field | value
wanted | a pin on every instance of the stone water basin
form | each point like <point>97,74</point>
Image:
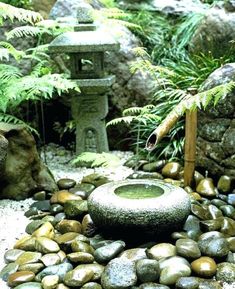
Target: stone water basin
<point>148,206</point>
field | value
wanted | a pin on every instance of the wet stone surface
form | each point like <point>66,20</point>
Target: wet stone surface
<point>63,251</point>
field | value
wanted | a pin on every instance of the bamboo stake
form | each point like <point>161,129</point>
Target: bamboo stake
<point>190,146</point>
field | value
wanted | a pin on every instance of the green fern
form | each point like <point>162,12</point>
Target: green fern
<point>90,159</point>
<point>19,14</point>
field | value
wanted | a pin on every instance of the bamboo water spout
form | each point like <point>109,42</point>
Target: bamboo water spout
<point>190,134</point>
<point>171,119</point>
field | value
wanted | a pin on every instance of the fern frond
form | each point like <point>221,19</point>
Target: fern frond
<point>8,72</point>
<point>125,119</point>
<point>11,50</point>
<point>10,12</point>
<point>91,159</point>
<point>132,111</point>
<point>8,118</point>
<point>141,52</point>
<point>24,31</point>
<point>4,54</point>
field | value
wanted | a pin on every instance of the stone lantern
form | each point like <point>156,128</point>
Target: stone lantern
<point>86,47</point>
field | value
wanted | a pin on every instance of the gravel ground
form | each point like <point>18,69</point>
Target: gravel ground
<point>13,221</point>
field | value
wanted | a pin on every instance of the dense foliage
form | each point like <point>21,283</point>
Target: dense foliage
<point>27,75</point>
<point>168,61</point>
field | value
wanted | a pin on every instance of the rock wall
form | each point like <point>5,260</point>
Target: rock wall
<point>21,170</point>
<point>216,31</point>
<point>216,128</point>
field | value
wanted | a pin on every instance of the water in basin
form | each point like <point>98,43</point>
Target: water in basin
<point>139,191</point>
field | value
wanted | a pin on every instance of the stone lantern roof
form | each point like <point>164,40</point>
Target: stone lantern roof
<point>85,38</point>
<point>83,41</point>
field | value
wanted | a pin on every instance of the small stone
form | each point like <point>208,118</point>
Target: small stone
<point>179,235</point>
<point>45,230</point>
<point>211,225</point>
<point>231,199</point>
<point>62,286</point>
<point>119,273</point>
<point>26,243</point>
<point>20,277</point>
<point>147,270</point>
<point>217,247</point>
<point>56,208</point>
<point>134,254</point>
<point>151,285</point>
<point>59,217</point>
<point>171,170</point>
<point>66,183</point>
<point>154,166</point>
<point>225,272</point>
<point>65,226</point>
<point>12,254</point>
<point>59,270</point>
<point>206,188</point>
<point>188,248</point>
<point>78,277</point>
<point>204,267</point>
<point>95,179</point>
<point>169,275</point>
<point>66,237</point>
<point>200,211</point>
<point>50,282</point>
<point>97,270</point>
<point>80,246</point>
<point>46,245</point>
<point>228,211</point>
<point>172,262</point>
<point>88,226</point>
<point>91,285</point>
<point>40,196</point>
<point>228,227</point>
<point>88,188</point>
<point>108,252</point>
<point>231,243</point>
<point>209,284</point>
<point>161,250</point>
<point>8,270</point>
<point>80,257</point>
<point>214,212</point>
<point>33,267</point>
<point>51,259</point>
<point>187,283</point>
<point>28,257</point>
<point>224,184</point>
<point>29,285</point>
<point>75,209</point>
<point>31,212</point>
<point>41,205</point>
<point>61,197</point>
<point>33,226</point>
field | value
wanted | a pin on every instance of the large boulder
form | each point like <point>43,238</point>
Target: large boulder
<point>171,7</point>
<point>215,32</point>
<point>43,6</point>
<point>21,171</point>
<point>216,128</point>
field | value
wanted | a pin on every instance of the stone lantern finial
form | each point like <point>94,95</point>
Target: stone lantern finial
<point>84,13</point>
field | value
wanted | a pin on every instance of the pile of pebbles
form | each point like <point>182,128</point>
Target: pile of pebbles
<point>63,248</point>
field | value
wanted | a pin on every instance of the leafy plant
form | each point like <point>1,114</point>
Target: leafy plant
<point>90,159</point>
<point>16,86</point>
<point>19,3</point>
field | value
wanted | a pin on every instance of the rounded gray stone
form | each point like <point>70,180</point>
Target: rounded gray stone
<point>120,273</point>
<point>149,215</point>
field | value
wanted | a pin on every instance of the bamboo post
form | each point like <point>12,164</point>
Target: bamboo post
<point>190,145</point>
